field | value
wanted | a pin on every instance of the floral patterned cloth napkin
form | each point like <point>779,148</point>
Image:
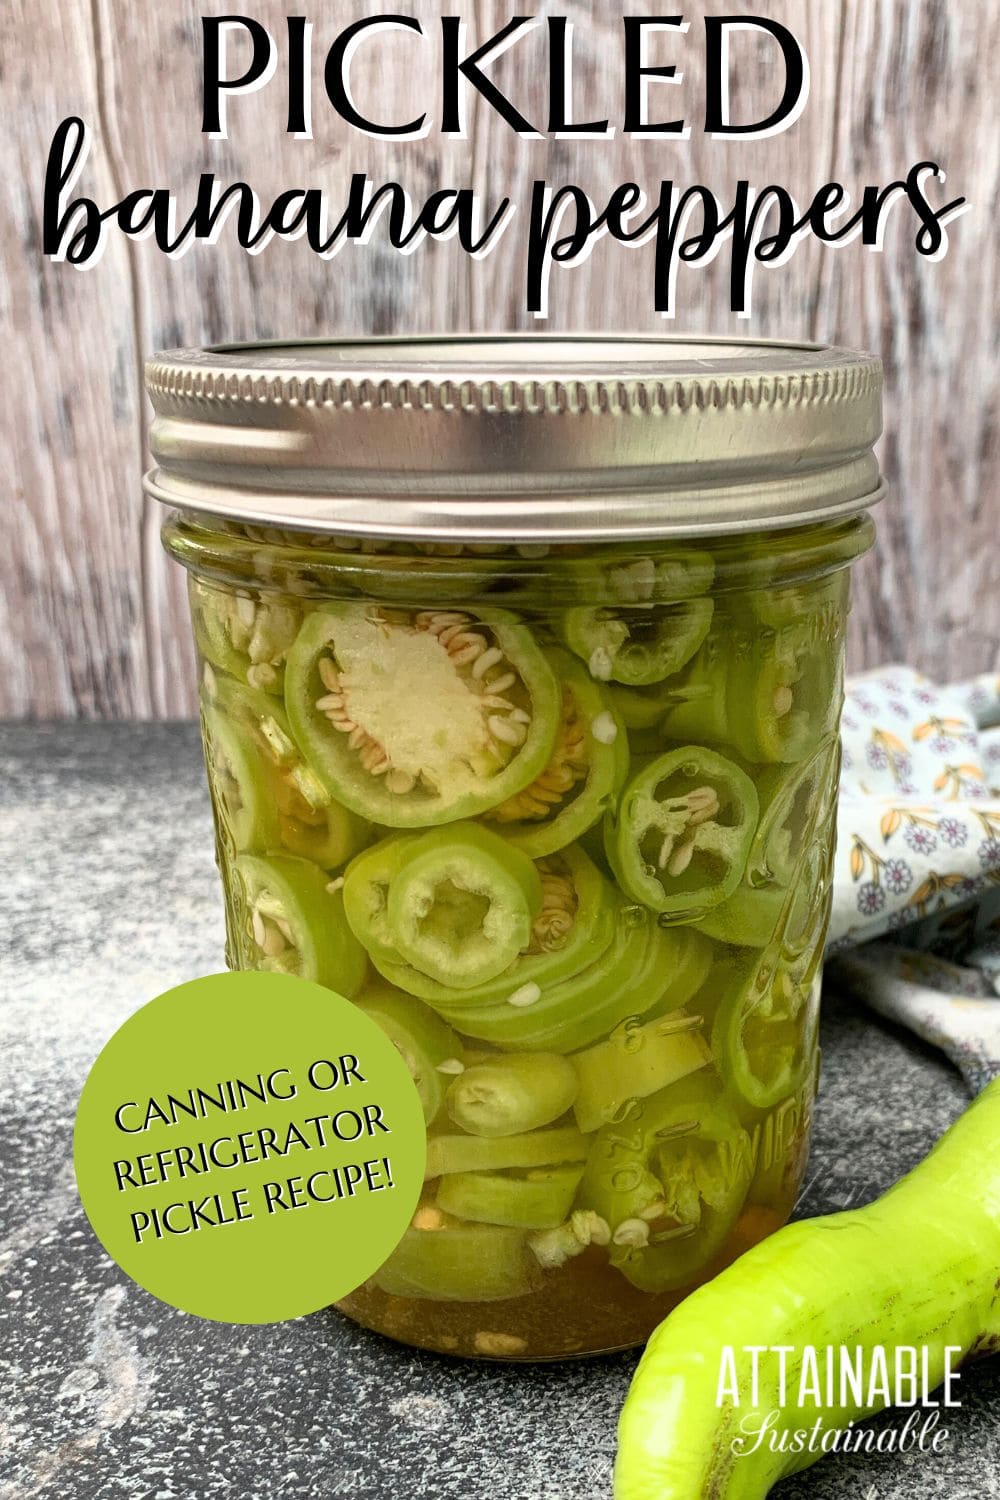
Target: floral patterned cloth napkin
<point>918,860</point>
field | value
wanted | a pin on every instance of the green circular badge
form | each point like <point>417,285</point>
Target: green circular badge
<point>249,1147</point>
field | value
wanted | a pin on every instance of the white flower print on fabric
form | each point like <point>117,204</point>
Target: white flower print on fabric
<point>918,861</point>
<point>919,812</point>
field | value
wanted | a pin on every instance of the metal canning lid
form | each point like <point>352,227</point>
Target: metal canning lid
<point>517,437</point>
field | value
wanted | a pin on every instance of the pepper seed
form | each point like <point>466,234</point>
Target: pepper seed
<point>246,610</point>
<point>273,944</point>
<point>604,729</point>
<point>590,1228</point>
<point>633,1232</point>
<point>600,664</point>
<point>428,1217</point>
<point>681,858</point>
<point>502,729</point>
<point>488,659</point>
<point>498,1343</point>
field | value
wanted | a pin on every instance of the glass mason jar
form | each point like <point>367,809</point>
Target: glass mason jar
<point>521,667</point>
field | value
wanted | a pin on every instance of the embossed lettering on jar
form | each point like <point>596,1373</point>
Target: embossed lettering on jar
<point>520,663</point>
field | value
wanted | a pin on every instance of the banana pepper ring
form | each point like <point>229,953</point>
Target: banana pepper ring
<point>244,636</point>
<point>415,718</point>
<point>294,924</point>
<point>587,769</point>
<point>680,839</point>
<point>669,1178</point>
<point>267,798</point>
<point>573,928</point>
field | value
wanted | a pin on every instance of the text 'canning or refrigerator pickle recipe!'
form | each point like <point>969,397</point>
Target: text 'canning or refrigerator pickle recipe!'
<point>249,1147</point>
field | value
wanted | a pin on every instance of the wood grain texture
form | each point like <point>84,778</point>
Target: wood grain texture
<point>94,615</point>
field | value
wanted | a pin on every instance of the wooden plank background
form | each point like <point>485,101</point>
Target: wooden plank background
<point>92,613</point>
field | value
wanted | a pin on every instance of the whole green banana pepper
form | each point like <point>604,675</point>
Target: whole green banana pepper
<point>917,1269</point>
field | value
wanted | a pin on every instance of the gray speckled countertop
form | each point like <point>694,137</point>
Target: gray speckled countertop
<point>109,896</point>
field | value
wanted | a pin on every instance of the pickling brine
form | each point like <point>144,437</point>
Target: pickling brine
<point>520,666</point>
